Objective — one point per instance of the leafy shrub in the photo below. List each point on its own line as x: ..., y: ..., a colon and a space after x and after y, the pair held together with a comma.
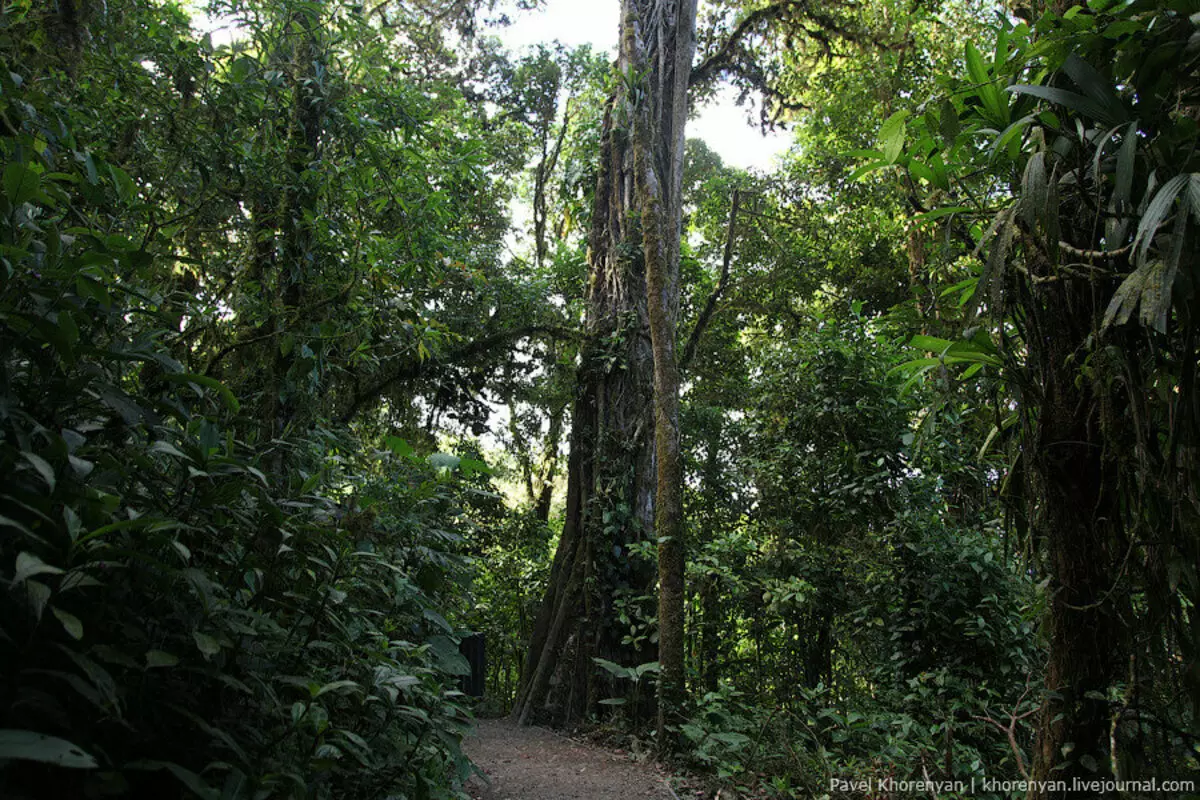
x: 181, y: 613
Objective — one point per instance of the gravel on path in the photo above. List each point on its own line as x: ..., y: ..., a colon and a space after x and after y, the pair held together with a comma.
x: 529, y: 763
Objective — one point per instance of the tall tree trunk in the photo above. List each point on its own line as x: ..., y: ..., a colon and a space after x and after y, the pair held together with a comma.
x: 658, y: 155
x: 1078, y: 518
x: 610, y: 490
x: 613, y: 474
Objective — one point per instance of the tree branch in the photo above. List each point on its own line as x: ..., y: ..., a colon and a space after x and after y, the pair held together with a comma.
x: 720, y: 60
x: 702, y: 321
x: 414, y: 369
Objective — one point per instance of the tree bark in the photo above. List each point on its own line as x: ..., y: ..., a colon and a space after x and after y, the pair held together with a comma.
x: 658, y: 154
x: 610, y: 490
x: 619, y: 489
x: 1077, y: 517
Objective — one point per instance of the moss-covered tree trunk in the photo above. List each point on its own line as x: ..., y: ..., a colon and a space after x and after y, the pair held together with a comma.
x: 610, y: 470
x: 1076, y: 517
x: 659, y: 118
x: 628, y: 383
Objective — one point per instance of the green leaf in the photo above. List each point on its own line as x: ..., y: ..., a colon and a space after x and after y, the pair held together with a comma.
x: 206, y: 644
x: 20, y: 182
x: 949, y: 126
x: 731, y: 738
x: 208, y: 383
x: 339, y: 687
x: 159, y: 658
x: 1097, y: 88
x: 938, y: 213
x: 1157, y: 291
x: 1011, y: 134
x: 994, y: 106
x: 70, y: 623
x: 891, y: 136
x: 1194, y: 194
x: 867, y: 169
x: 24, y: 745
x: 931, y: 343
x: 1069, y: 100
x: 921, y: 171
x: 29, y: 565
x: 437, y: 619
x: 615, y: 668
x: 613, y: 701
x: 471, y: 467
x: 399, y: 446
x: 39, y: 595
x: 9, y: 522
x: 448, y: 657
x: 42, y: 466
x: 975, y: 68
x: 1156, y: 214
x: 126, y: 188
x: 140, y: 522
x: 167, y: 448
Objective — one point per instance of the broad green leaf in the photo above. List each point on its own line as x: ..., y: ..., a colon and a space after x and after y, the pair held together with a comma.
x: 42, y: 466
x: 932, y: 343
x: 1011, y: 134
x: 891, y: 136
x: 70, y: 622
x: 1120, y: 202
x: 38, y: 594
x: 1194, y: 194
x: 159, y: 658
x: 9, y: 522
x: 994, y: 106
x: 731, y: 738
x: 437, y: 619
x: 399, y: 446
x: 1069, y: 100
x: 867, y: 169
x: 206, y: 644
x: 166, y: 448
x: 975, y: 68
x: 614, y: 668
x: 448, y: 657
x: 29, y: 565
x: 140, y: 522
x: 22, y: 745
x: 921, y: 171
x: 938, y: 213
x: 1097, y: 88
x: 472, y: 466
x: 126, y: 188
x: 1156, y: 213
x: 1157, y: 291
x: 339, y: 687
x: 948, y: 124
x: 20, y: 182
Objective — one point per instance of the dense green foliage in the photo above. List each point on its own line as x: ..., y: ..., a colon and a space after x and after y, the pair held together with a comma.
x: 210, y: 583
x: 264, y: 317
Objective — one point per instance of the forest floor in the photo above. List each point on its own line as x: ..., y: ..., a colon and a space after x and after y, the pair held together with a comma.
x: 528, y: 763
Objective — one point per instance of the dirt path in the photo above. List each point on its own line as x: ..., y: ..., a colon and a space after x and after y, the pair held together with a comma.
x: 527, y: 763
